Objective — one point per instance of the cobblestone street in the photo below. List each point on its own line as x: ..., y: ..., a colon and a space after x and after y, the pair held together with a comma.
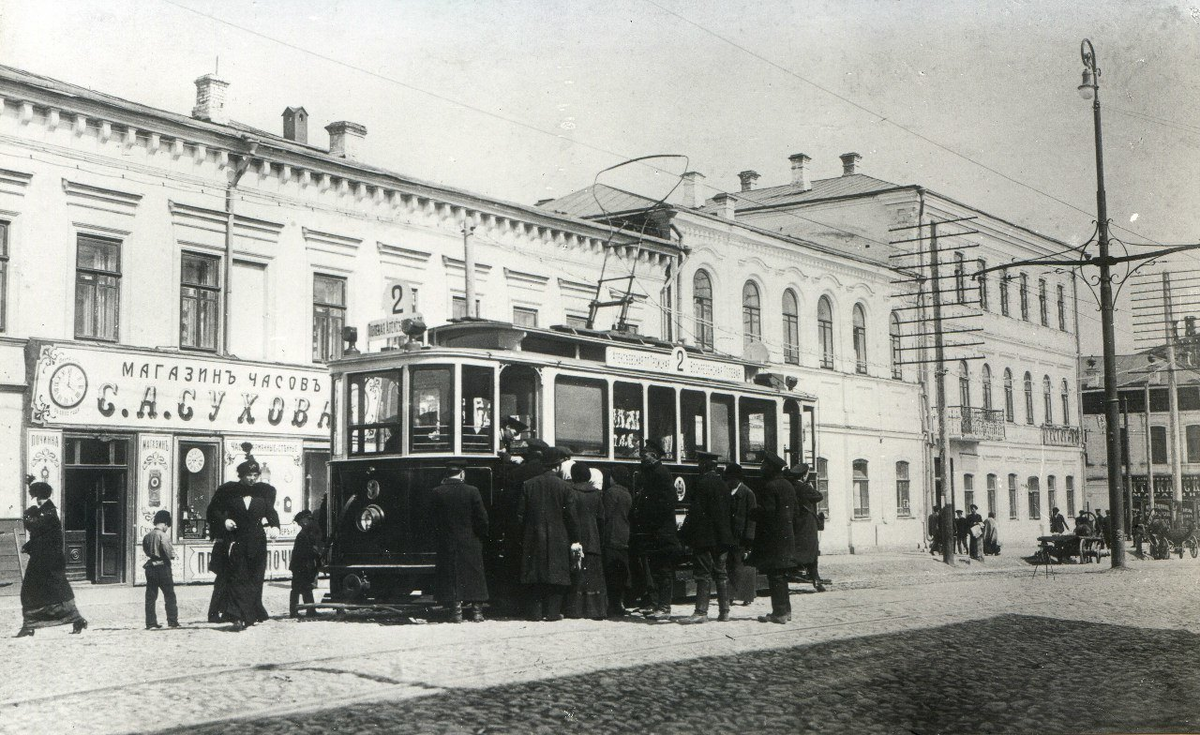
x: 900, y: 644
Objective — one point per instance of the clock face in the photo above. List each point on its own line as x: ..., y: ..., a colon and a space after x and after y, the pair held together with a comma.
x: 68, y: 385
x: 195, y: 460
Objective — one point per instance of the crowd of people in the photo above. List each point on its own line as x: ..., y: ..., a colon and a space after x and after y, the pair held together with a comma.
x: 972, y: 534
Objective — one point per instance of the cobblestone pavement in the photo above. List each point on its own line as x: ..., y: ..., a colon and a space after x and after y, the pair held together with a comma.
x: 901, y: 644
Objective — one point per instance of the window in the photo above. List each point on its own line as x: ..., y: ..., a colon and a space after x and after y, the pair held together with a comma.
x: 1024, y: 291
x: 1035, y: 499
x: 960, y: 279
x: 1004, y: 278
x: 1070, y: 496
x: 1193, y: 442
x: 823, y: 486
x: 791, y: 328
x: 983, y: 286
x: 458, y: 307
x: 985, y: 377
x: 1010, y: 413
x: 574, y: 321
x: 3, y: 276
x: 825, y: 331
x: 756, y: 427
x: 1158, y: 444
x: 476, y: 417
x: 964, y: 384
x: 897, y: 353
x: 862, y: 499
x: 97, y: 288
x: 724, y: 425
x: 693, y: 423
x: 329, y: 316
x: 374, y: 413
x: 991, y: 493
x: 627, y: 419
x: 519, y: 395
x: 1066, y: 403
x: 1051, y: 491
x: 199, y: 301
x: 1043, y: 308
x: 860, y: 339
x: 1062, y: 308
x: 1029, y: 399
x: 1048, y: 399
x: 702, y: 309
x: 525, y: 316
x: 430, y: 409
x: 968, y: 491
x: 751, y: 313
x: 196, y: 488
x: 902, y: 507
x: 579, y: 411
x: 660, y: 408
x: 1013, y: 511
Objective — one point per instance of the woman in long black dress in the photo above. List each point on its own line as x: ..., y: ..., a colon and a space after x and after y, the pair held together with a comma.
x: 46, y: 596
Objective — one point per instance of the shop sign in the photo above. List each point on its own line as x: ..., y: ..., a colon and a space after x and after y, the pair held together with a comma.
x: 678, y: 362
x: 101, y: 388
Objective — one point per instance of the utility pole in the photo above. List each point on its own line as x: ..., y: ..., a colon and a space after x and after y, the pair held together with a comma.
x: 1149, y: 460
x: 1173, y: 395
x: 939, y: 350
x: 1125, y: 452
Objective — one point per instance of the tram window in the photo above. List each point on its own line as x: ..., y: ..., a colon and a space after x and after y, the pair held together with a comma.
x: 627, y: 419
x: 375, y: 413
x: 661, y: 407
x: 519, y: 396
x: 476, y: 413
x: 429, y: 409
x: 756, y: 428
x: 692, y: 423
x: 579, y: 416
x: 723, y: 426
x: 793, y: 432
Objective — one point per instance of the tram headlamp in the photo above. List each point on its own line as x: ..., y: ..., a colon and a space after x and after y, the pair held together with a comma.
x: 372, y: 489
x: 370, y: 516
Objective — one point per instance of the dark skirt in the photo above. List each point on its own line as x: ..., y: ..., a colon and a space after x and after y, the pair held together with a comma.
x: 46, y: 597
x: 588, y: 598
x: 56, y: 613
x: 243, y: 587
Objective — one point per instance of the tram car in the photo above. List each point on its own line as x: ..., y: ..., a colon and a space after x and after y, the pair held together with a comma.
x: 401, y: 415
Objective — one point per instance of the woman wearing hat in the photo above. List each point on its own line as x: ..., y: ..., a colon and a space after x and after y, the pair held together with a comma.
x: 242, y: 518
x: 46, y: 596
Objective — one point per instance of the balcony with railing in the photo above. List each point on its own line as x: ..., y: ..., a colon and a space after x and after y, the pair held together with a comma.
x: 974, y: 424
x: 1060, y: 436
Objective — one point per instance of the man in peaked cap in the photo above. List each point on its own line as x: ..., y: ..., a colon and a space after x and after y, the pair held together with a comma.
x: 707, y: 531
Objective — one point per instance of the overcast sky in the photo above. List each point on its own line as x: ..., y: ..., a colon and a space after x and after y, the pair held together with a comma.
x: 527, y: 100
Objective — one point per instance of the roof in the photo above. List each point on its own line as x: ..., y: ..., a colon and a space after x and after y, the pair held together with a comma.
x: 1133, y: 371
x: 792, y: 193
x: 599, y: 200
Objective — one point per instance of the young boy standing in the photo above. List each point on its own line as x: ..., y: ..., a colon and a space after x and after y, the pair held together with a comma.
x: 157, y: 545
x: 306, y: 561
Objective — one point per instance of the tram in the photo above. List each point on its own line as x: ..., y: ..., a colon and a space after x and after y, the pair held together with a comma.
x: 401, y: 415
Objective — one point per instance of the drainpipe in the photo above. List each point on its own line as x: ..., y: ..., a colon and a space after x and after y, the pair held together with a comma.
x: 227, y: 278
x: 677, y: 326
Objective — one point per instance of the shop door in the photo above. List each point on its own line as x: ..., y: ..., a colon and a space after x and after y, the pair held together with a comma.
x: 95, y: 493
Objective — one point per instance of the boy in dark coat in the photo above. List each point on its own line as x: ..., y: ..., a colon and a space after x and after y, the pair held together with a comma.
x: 614, y: 538
x: 658, y: 534
x: 305, y: 563
x: 775, y: 541
x: 549, y: 533
x: 743, y: 508
x: 157, y: 546
x: 460, y: 525
x: 707, y: 530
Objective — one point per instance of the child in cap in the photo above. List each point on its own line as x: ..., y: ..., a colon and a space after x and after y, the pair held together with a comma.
x: 159, y: 553
x: 306, y: 560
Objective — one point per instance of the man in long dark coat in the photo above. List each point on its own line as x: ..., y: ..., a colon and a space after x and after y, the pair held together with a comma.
x: 808, y: 544
x: 460, y: 525
x: 518, y: 464
x: 775, y: 536
x: 546, y: 515
x: 707, y: 531
x: 743, y: 508
x: 614, y: 538
x: 658, y: 534
x: 218, y: 561
x: 934, y: 523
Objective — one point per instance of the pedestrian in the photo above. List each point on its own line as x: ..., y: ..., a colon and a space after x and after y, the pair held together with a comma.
x: 961, y: 531
x: 244, y: 518
x: 934, y: 524
x: 159, y: 553
x: 1103, y: 528
x: 218, y: 560
x: 460, y: 525
x: 808, y: 544
x: 991, y: 535
x: 518, y: 464
x: 660, y: 539
x: 775, y: 536
x: 1058, y: 524
x: 46, y: 596
x: 707, y: 530
x: 975, y: 533
x: 614, y: 538
x: 588, y: 597
x: 743, y: 508
x: 643, y: 593
x: 549, y: 534
x: 1138, y: 530
x: 304, y: 564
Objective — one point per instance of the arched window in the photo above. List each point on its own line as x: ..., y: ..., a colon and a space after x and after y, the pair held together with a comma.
x: 897, y: 353
x: 860, y: 339
x: 985, y: 377
x: 702, y: 309
x: 825, y: 331
x: 1048, y: 399
x: 964, y: 384
x: 791, y: 327
x: 1004, y: 293
x: 983, y: 285
x: 1010, y: 413
x: 1043, y: 307
x: 862, y: 495
x: 751, y: 313
x: 1024, y: 297
x: 1028, y: 399
x: 1066, y: 403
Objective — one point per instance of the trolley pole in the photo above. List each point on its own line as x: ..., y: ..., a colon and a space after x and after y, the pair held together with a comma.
x: 939, y: 348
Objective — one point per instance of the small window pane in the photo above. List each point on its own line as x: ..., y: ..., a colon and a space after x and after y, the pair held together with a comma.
x: 627, y: 419
x: 661, y: 407
x: 721, y: 409
x: 429, y: 410
x: 757, y: 427
x: 579, y: 411
x: 476, y: 410
x: 374, y: 420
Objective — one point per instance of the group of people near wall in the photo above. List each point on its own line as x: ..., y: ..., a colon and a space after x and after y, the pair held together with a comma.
x: 973, y: 534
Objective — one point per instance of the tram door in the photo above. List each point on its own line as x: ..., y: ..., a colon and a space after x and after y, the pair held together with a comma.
x: 94, y: 494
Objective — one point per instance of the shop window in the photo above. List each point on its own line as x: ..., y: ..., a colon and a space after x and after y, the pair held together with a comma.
x: 97, y: 288
x: 693, y: 423
x: 791, y: 328
x: 1158, y: 444
x: 579, y: 411
x: 3, y: 276
x: 430, y: 409
x: 862, y: 494
x: 860, y: 339
x: 329, y: 316
x: 199, y: 477
x: 720, y: 408
x: 751, y: 313
x: 627, y: 419
x: 519, y: 396
x: 825, y: 331
x: 1013, y: 508
x: 702, y: 309
x: 991, y: 493
x: 660, y: 405
x: 199, y: 301
x: 756, y: 428
x: 525, y: 317
x: 476, y: 409
x: 968, y: 491
x: 374, y: 417
x: 1035, y: 499
x: 903, y: 510
x: 822, y: 466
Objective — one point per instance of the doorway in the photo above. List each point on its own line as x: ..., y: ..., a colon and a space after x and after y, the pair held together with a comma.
x: 95, y: 490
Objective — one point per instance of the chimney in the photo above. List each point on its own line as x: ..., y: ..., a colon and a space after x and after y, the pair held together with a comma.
x: 726, y: 204
x: 748, y: 178
x: 800, y: 171
x: 295, y: 124
x: 692, y: 198
x: 850, y: 163
x: 210, y: 99
x: 345, y: 139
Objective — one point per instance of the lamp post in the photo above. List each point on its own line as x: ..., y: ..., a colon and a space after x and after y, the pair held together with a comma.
x: 1090, y: 89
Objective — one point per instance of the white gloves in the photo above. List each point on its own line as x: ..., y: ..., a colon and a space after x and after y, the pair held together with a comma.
x: 272, y: 532
x: 576, y: 548
x: 230, y: 525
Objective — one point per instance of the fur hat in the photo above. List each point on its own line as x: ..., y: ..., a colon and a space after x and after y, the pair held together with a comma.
x: 40, y: 490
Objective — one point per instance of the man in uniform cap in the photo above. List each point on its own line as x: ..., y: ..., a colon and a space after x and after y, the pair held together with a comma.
x: 808, y: 547
x: 549, y: 533
x: 707, y: 531
x: 655, y: 523
x: 775, y: 536
x: 743, y: 512
x: 305, y: 563
x: 460, y: 525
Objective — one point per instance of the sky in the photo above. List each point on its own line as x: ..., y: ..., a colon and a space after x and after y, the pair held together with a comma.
x: 526, y: 100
